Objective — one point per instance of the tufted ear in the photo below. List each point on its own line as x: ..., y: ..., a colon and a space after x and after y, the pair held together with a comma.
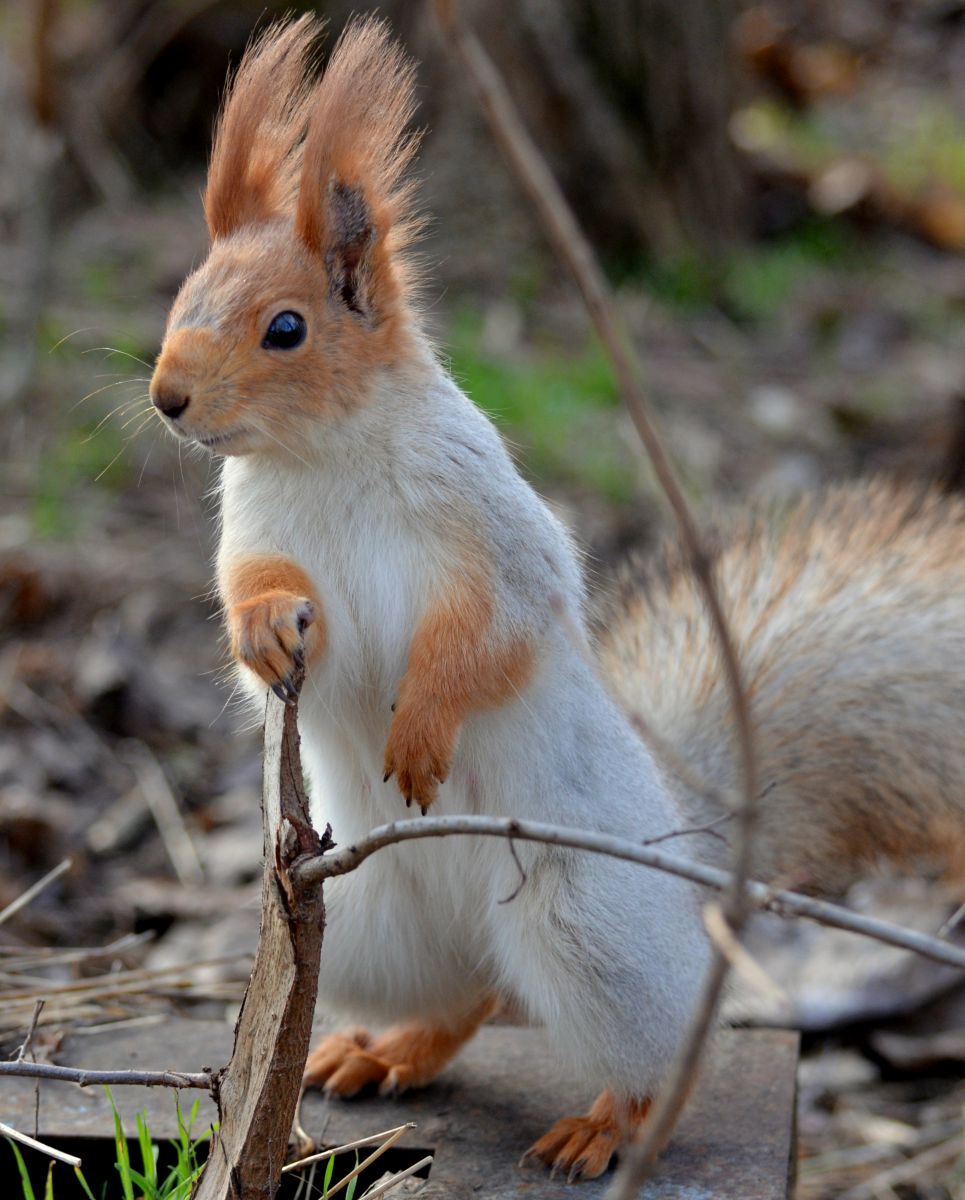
x: 353, y: 210
x: 253, y: 173
x: 350, y: 239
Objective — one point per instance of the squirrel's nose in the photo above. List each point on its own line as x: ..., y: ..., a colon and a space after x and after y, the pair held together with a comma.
x: 172, y: 404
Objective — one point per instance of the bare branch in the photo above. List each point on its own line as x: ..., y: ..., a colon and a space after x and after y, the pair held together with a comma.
x: 31, y: 1030
x: 572, y: 248
x: 310, y: 871
x: 85, y: 1078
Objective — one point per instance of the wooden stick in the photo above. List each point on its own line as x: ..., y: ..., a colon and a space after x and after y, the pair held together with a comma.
x: 257, y: 1093
x: 70, y: 1159
x: 85, y: 1078
x: 572, y: 248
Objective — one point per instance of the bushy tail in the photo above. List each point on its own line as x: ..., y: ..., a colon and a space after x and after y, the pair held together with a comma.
x: 849, y: 617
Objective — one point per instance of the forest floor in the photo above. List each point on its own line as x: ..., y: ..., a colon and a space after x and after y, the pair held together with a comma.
x: 820, y: 354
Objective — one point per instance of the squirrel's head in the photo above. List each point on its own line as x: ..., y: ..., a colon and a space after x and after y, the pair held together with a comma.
x: 306, y: 292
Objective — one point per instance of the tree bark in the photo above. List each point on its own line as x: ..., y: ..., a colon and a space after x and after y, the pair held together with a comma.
x: 257, y: 1093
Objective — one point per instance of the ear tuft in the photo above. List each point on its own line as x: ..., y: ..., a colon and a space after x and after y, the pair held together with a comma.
x: 255, y: 160
x: 350, y: 235
x: 353, y: 208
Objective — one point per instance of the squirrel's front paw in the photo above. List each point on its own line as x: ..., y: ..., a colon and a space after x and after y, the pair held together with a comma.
x: 418, y: 754
x: 268, y: 636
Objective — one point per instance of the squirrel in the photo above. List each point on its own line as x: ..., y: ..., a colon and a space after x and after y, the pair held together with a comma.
x: 376, y: 532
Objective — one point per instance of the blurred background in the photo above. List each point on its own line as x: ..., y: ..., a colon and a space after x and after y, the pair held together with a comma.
x: 777, y: 192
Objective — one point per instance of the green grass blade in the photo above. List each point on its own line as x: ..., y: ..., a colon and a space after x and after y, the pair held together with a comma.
x: 326, y: 1181
x: 83, y: 1183
x: 28, y: 1191
x: 123, y: 1163
x: 149, y: 1152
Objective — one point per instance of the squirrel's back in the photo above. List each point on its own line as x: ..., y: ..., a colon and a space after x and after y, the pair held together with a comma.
x: 848, y: 614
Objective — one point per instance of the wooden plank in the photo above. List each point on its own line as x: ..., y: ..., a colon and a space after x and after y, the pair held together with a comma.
x: 478, y: 1118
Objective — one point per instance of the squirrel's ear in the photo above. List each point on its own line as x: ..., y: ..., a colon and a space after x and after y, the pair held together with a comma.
x: 353, y: 208
x: 351, y: 235
x: 253, y: 173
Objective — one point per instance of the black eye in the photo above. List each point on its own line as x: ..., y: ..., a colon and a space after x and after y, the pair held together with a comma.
x: 286, y: 331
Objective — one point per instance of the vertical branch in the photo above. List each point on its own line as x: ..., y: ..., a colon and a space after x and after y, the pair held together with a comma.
x: 572, y: 249
x: 257, y: 1092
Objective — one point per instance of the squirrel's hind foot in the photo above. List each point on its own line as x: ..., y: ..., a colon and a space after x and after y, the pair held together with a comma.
x: 405, y: 1056
x: 582, y: 1147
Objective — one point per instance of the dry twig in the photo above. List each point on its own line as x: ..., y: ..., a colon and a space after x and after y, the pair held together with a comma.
x: 70, y: 1159
x: 572, y: 249
x: 781, y: 903
x: 258, y: 1091
x: 85, y: 1078
x: 34, y: 891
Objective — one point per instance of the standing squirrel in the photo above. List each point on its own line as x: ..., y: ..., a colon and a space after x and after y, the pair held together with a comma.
x: 376, y: 531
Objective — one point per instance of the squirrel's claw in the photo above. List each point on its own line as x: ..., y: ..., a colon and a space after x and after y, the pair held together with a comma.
x: 268, y: 637
x: 286, y: 691
x: 582, y: 1147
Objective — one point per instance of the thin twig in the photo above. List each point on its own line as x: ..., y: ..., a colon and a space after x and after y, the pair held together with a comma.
x: 34, y: 890
x: 572, y: 248
x: 909, y: 1169
x: 709, y: 827
x: 314, y: 870
x: 85, y: 1078
x: 742, y: 962
x: 31, y: 1030
x: 166, y: 812
x: 70, y: 1159
x: 953, y: 922
x: 366, y: 1162
x: 380, y: 1189
x: 373, y: 1139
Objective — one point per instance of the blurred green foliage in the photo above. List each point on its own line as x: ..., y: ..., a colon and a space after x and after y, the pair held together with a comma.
x: 63, y: 500
x: 557, y: 407
x: 753, y: 283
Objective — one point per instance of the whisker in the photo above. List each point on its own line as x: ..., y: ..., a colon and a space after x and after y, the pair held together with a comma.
x: 147, y: 411
x: 97, y: 391
x: 103, y: 472
x: 115, y: 350
x: 68, y: 336
x: 121, y: 409
x: 147, y: 459
x: 148, y: 418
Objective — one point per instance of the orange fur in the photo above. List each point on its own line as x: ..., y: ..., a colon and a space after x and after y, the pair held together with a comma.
x: 404, y: 1056
x: 323, y: 151
x: 308, y: 212
x: 256, y: 156
x: 453, y: 669
x: 265, y: 601
x: 356, y: 140
x: 582, y: 1147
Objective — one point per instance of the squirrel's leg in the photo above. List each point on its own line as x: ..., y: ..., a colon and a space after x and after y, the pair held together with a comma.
x: 455, y: 666
x: 274, y: 617
x: 582, y: 1147
x: 405, y: 1056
